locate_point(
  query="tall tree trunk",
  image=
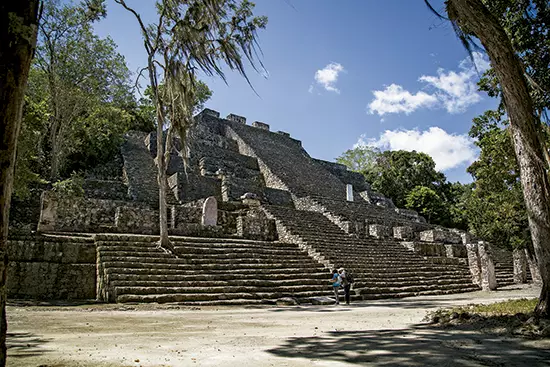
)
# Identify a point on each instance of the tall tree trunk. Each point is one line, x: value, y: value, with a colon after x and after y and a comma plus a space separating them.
x: 18, y: 29
x: 163, y: 214
x: 523, y: 124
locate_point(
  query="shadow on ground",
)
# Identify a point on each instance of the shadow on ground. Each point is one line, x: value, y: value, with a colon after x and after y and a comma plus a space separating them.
x: 24, y: 345
x: 419, y: 346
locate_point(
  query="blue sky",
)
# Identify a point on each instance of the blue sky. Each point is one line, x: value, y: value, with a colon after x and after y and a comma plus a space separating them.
x: 385, y: 73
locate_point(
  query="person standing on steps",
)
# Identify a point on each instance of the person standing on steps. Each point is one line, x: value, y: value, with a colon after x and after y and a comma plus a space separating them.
x: 346, y: 283
x: 336, y: 283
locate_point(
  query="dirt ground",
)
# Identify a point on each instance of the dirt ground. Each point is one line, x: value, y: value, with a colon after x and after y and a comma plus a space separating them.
x: 371, y: 333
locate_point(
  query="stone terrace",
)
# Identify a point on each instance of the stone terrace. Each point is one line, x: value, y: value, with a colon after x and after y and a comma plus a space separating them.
x: 382, y: 268
x: 206, y: 272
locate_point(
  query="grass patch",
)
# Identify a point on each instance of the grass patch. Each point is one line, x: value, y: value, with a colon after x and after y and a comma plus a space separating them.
x: 512, y: 317
x: 510, y: 307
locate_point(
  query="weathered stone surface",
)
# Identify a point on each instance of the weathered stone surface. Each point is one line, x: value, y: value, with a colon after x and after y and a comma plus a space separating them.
x: 136, y: 220
x: 261, y: 125
x: 403, y: 233
x: 236, y: 118
x: 474, y: 262
x: 379, y: 231
x: 210, y: 212
x: 322, y: 301
x: 287, y: 301
x: 437, y: 235
x: 349, y: 192
x: 520, y: 266
x: 426, y: 249
x: 256, y: 225
x: 456, y: 250
x: 51, y: 268
x: 488, y: 277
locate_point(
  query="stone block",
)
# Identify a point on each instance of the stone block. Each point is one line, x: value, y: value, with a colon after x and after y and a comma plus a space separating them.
x: 520, y: 266
x: 488, y: 276
x: 210, y: 212
x: 474, y: 263
x: 438, y: 235
x: 236, y: 118
x: 261, y: 125
x: 136, y: 220
x: 403, y: 233
x: 284, y: 133
x: 209, y: 112
x: 426, y: 249
x: 456, y: 250
x: 379, y: 231
x: 255, y: 225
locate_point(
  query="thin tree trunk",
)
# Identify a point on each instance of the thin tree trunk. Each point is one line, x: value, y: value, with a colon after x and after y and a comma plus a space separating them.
x: 18, y: 29
x: 523, y: 124
x: 163, y: 214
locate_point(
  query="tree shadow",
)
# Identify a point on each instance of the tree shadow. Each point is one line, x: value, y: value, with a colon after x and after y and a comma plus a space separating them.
x: 24, y: 345
x: 422, y: 345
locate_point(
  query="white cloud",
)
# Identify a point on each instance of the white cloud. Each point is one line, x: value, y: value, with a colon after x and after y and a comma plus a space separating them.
x: 454, y: 90
x: 447, y: 150
x: 394, y: 99
x: 328, y: 76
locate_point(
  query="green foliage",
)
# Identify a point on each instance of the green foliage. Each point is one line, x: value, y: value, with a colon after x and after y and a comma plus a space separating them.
x: 71, y: 187
x: 411, y: 181
x: 361, y: 159
x: 526, y: 22
x: 495, y: 208
x: 397, y: 173
x: 426, y: 202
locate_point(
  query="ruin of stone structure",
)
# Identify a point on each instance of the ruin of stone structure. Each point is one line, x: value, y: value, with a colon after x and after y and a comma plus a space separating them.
x: 281, y: 221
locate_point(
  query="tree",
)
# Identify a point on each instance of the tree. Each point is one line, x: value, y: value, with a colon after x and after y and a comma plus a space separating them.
x: 473, y: 17
x: 426, y: 202
x: 86, y: 87
x: 190, y: 36
x: 495, y: 208
x: 18, y: 28
x: 397, y: 173
x: 360, y: 159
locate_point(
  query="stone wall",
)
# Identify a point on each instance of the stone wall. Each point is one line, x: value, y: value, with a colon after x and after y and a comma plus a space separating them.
x: 51, y: 267
x: 255, y: 225
x: 190, y: 187
x: 287, y: 161
x: 140, y: 171
x: 105, y: 189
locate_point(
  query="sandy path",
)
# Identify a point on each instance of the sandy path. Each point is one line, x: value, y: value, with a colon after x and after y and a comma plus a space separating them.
x: 371, y: 333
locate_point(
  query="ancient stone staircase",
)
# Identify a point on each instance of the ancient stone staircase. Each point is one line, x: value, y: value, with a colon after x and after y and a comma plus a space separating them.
x: 206, y: 272
x: 382, y: 268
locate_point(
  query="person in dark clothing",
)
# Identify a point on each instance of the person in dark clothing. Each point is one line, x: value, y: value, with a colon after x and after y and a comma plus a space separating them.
x: 346, y: 283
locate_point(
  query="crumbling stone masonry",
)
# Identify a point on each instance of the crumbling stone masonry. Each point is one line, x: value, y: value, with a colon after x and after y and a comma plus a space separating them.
x: 252, y: 204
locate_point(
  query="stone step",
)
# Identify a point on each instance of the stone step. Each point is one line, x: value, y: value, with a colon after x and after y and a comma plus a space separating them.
x: 192, y: 282
x: 372, y: 284
x: 415, y: 288
x: 227, y: 298
x: 243, y: 263
x: 374, y: 296
x: 137, y: 239
x: 295, y: 250
x: 225, y: 290
x: 267, y: 271
x: 182, y: 254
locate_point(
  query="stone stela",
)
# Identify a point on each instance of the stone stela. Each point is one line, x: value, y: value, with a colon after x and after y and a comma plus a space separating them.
x: 210, y: 212
x: 349, y: 192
